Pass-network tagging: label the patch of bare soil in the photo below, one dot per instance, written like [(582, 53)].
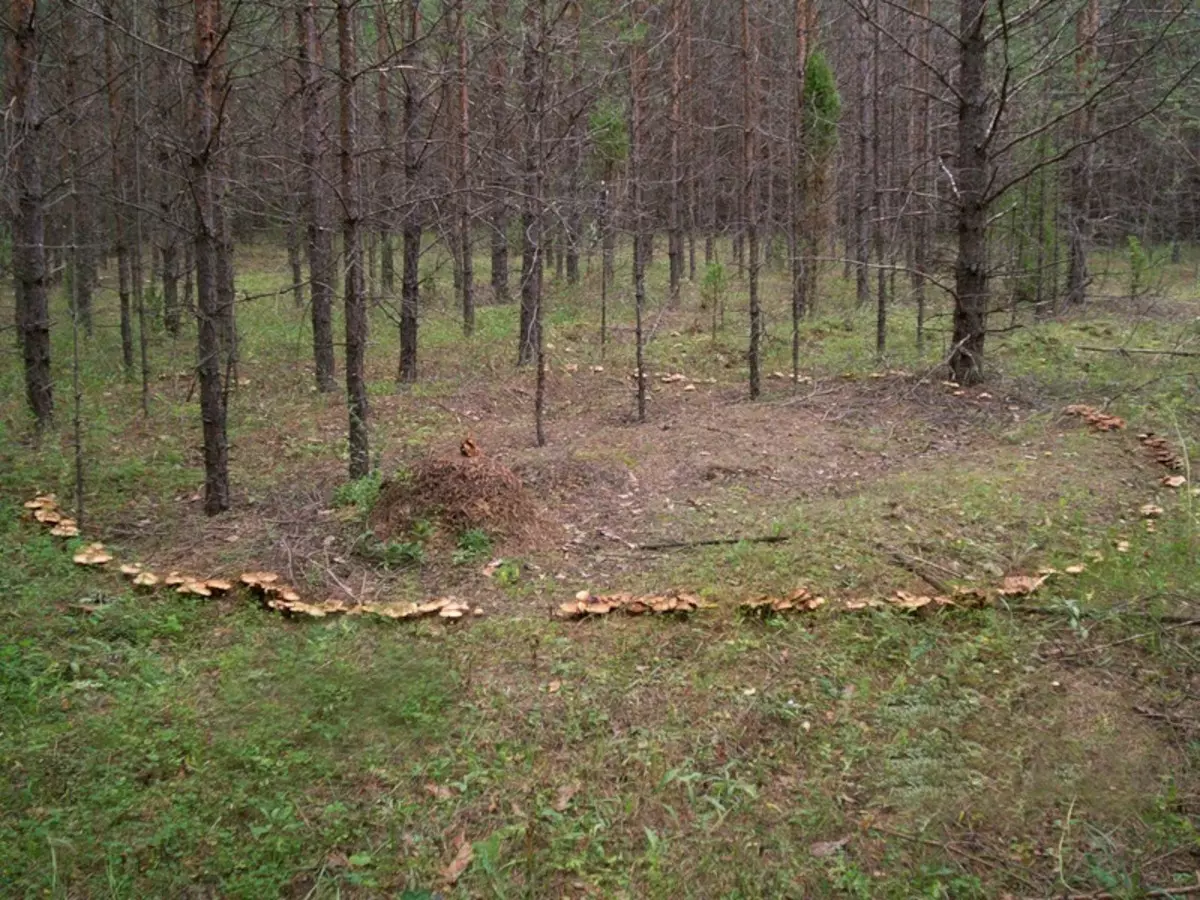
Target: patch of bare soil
[(707, 463), (703, 447)]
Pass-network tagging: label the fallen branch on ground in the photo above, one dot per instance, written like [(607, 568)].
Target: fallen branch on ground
[(1156, 892), (714, 542), (1124, 351)]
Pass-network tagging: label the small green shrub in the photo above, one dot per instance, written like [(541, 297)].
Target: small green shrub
[(473, 544), (400, 554), (361, 493)]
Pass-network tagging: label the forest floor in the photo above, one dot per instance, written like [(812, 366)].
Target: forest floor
[(160, 746)]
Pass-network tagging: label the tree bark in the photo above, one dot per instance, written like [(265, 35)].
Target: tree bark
[(1081, 173), (212, 395), (116, 139), (29, 237), (922, 146), (81, 250), (877, 194), (637, 142), (466, 264), (498, 219), (412, 227), (750, 194), (387, 263), (354, 294), (798, 184), (529, 338), (168, 234), (319, 243), (970, 270), (862, 174), (674, 219)]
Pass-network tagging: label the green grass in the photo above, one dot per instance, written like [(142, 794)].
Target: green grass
[(152, 746)]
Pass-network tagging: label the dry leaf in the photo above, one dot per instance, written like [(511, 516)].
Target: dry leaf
[(459, 864), (553, 687), (438, 791), (828, 848), (565, 794)]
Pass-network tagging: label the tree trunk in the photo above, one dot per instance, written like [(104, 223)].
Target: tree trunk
[(203, 189), (498, 217), (574, 155), (862, 174), (226, 295), (529, 337), (165, 185), (29, 235), (1081, 173), (319, 243), (387, 263), (970, 270), (798, 182), (877, 195), (295, 264), (116, 149), (80, 260), (750, 194), (169, 253), (354, 295), (637, 143), (922, 146), (533, 86), (674, 219), (412, 226), (464, 186)]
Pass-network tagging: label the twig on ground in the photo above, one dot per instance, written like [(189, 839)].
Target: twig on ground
[(958, 851), (1125, 351), (713, 542), (1105, 895), (1178, 621), (920, 567), (1175, 624)]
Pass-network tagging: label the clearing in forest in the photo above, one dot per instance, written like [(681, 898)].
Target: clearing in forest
[(1039, 742)]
